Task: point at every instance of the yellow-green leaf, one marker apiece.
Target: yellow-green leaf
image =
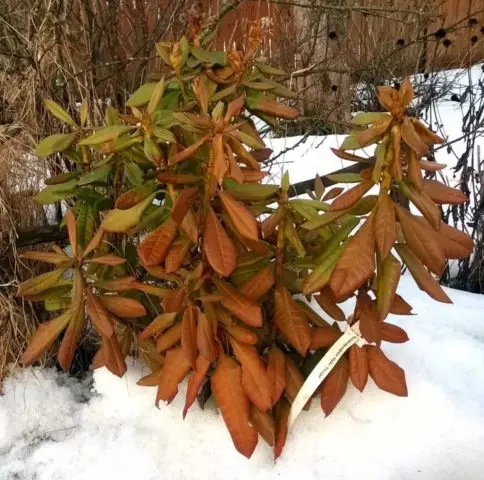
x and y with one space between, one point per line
59 112
122 220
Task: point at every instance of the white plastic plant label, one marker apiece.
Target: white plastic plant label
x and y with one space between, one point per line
350 337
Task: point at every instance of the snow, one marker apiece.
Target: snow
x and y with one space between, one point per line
57 428
54 428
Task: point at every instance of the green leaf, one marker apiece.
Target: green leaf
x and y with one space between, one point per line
323 220
350 143
294 240
164 135
55 143
317 204
61 178
122 220
59 112
185 50
285 183
56 193
201 54
268 70
142 95
156 96
86 223
345 177
367 118
54 304
99 175
223 93
248 139
106 134
163 53
251 192
133 173
36 285
365 205
112 116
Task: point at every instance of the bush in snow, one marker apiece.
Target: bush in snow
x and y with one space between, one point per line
178 252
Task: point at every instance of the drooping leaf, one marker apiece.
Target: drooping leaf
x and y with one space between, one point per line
327 302
412 138
234 405
385 225
276 373
169 338
386 374
154 248
283 411
218 246
40 283
160 323
189 335
175 367
241 218
454 243
259 284
334 386
323 336
358 366
393 333
99 315
123 306
264 424
357 262
195 382
239 305
442 194
370 325
290 320
206 341
254 375
44 338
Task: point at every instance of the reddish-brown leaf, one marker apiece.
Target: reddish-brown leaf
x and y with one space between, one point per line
264 424
324 336
175 179
357 263
454 243
217 153
386 374
206 337
234 108
187 152
370 325
241 217
429 137
424 203
177 254
358 366
351 196
259 284
174 369
113 356
421 275
95 242
189 335
294 381
269 225
332 193
442 194
400 306
412 138
423 241
153 249
190 227
414 173
218 246
254 377
393 334
327 302
121 284
71 337
109 259
122 306
150 380
283 411
234 405
334 386
242 334
47 257
173 300
195 382
276 373
100 317
239 305
72 231
160 323
385 225
44 337
169 338
431 166
183 204
290 320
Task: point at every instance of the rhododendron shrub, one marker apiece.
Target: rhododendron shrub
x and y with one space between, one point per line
182 253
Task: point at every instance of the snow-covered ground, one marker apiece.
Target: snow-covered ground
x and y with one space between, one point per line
56 428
